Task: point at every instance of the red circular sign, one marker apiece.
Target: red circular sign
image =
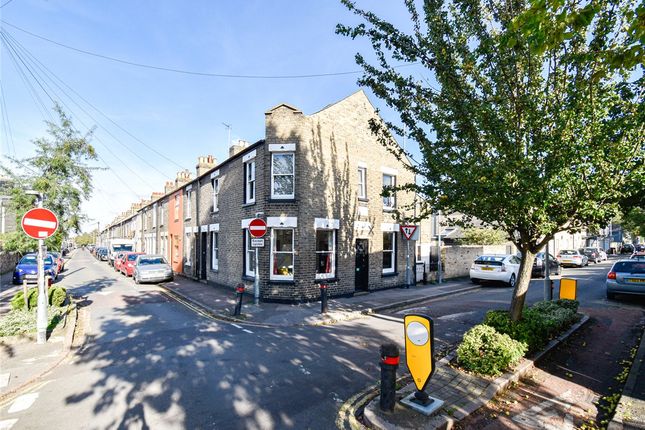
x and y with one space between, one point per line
257 227
39 223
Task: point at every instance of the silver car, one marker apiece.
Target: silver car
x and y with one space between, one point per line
152 268
626 277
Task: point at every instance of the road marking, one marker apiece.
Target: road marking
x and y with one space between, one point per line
387 317
23 402
7 424
236 326
247 331
455 316
4 379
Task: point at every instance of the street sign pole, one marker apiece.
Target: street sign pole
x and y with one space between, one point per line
408 271
41 313
256 281
548 292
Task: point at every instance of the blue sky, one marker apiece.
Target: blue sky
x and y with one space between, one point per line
179 115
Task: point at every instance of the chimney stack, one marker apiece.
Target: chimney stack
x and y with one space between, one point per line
204 164
183 177
156 195
170 185
238 146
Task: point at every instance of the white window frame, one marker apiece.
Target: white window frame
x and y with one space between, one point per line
216 187
214 250
393 251
176 207
188 248
362 182
389 202
154 216
249 255
293 175
161 212
273 252
187 204
332 274
249 181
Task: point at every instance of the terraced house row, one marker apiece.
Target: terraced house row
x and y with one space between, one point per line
315 179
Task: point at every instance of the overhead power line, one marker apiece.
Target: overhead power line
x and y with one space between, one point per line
5 3
190 72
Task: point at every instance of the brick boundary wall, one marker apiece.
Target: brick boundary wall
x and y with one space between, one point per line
458 258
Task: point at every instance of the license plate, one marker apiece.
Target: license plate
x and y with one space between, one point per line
487 268
635 280
567 261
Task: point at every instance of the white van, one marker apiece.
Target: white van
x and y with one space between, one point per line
119 245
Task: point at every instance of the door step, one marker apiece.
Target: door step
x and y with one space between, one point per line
361 293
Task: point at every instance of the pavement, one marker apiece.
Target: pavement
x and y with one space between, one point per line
23 361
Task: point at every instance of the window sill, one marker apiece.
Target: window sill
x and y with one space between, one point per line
215 212
322 281
363 199
282 281
248 204
389 274
274 200
187 219
214 270
248 278
388 209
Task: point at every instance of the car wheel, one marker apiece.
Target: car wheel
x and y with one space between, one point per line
136 280
474 281
511 281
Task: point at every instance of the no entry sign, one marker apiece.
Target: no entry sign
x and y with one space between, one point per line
257 228
39 223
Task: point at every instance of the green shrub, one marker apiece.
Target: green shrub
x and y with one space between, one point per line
18 301
485 351
58 296
32 298
569 304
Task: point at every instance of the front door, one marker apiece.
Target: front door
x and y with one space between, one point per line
361 282
203 262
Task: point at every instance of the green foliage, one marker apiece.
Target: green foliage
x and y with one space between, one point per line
634 221
18 300
483 350
86 239
529 141
539 323
19 321
483 236
57 297
59 172
32 298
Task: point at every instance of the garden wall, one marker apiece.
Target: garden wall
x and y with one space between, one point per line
458 258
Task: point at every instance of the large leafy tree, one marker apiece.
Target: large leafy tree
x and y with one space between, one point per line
58 171
529 141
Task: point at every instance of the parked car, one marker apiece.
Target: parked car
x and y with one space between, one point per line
495 267
118 261
27 268
592 254
539 265
572 257
603 254
638 255
626 277
60 261
102 254
627 248
127 262
152 268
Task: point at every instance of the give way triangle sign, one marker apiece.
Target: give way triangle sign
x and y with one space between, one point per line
408 230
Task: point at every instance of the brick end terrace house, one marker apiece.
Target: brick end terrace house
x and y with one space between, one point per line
317 181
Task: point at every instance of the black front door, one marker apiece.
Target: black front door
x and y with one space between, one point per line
362 265
203 257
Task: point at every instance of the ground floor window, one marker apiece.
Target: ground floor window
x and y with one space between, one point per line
214 251
249 260
325 254
188 249
389 251
282 254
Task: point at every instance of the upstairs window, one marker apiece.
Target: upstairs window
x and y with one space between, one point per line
249 182
177 207
187 202
162 211
389 202
282 175
362 183
215 195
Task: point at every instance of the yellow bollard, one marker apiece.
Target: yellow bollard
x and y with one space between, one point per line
568 288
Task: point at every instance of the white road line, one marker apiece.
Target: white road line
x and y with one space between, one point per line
4 379
455 316
387 317
235 325
248 331
7 424
23 402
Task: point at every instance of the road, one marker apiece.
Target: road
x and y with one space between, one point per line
151 362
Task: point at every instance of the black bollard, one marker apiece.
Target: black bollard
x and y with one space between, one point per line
323 298
551 292
389 364
239 291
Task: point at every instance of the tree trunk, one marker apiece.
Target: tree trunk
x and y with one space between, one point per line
522 285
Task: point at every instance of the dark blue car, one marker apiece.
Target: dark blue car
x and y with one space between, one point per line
27 268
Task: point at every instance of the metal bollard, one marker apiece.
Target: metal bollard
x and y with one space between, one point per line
551 292
239 291
389 364
323 298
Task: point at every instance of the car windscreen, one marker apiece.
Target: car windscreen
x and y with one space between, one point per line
630 267
568 252
132 257
28 259
490 260
118 248
149 261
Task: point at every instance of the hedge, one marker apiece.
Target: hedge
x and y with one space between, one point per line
56 296
485 351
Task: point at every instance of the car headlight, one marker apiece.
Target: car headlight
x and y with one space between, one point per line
20 271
